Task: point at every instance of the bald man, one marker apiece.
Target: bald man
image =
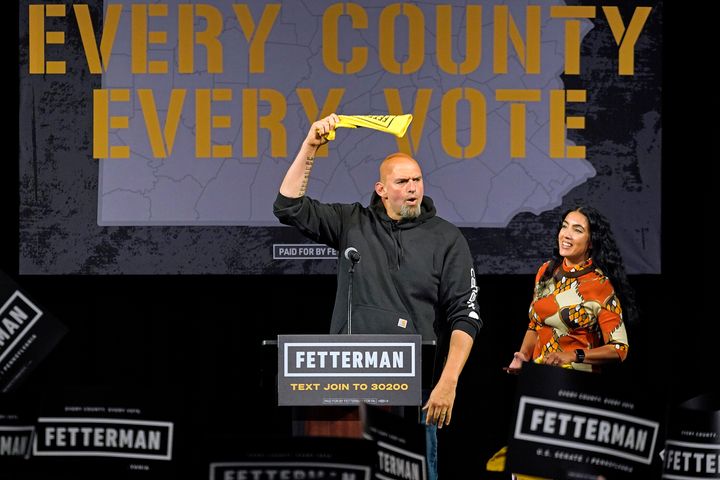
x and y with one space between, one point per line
416 273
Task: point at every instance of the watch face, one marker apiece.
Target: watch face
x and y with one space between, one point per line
579 355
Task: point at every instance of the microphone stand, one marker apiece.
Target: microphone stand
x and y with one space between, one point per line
349 299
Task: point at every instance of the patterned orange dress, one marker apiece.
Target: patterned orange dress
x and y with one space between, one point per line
576 308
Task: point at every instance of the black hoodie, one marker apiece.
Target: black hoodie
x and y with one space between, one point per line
414 276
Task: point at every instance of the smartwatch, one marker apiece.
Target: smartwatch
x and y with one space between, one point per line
579 355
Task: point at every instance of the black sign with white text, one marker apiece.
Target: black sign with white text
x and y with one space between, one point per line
292 458
303 251
692 446
17 426
15 441
270 470
107 437
587 428
400 444
572 424
349 369
27 334
108 433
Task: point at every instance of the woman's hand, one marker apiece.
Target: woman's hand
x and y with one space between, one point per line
518 359
559 358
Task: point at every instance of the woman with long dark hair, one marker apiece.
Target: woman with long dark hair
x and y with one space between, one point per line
582 299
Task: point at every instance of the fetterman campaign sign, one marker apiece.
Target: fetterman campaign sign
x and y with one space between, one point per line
290 458
399 442
107 434
349 369
578 425
27 334
17 427
692 445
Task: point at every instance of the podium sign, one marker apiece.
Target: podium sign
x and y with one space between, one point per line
346 370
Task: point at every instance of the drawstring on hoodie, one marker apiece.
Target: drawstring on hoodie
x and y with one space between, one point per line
397 232
394 228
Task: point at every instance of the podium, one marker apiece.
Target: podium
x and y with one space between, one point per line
330 420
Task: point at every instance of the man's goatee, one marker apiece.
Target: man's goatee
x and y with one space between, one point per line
409 212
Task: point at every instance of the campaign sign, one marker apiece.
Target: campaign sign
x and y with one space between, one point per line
349 369
17 426
27 334
106 437
15 440
400 444
692 444
106 433
578 425
295 458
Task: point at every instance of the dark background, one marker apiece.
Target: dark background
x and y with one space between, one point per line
197 339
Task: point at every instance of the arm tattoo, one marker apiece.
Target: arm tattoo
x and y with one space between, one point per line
308 166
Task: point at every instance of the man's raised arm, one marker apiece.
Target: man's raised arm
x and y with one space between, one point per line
295 182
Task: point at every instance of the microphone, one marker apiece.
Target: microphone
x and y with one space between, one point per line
352 254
